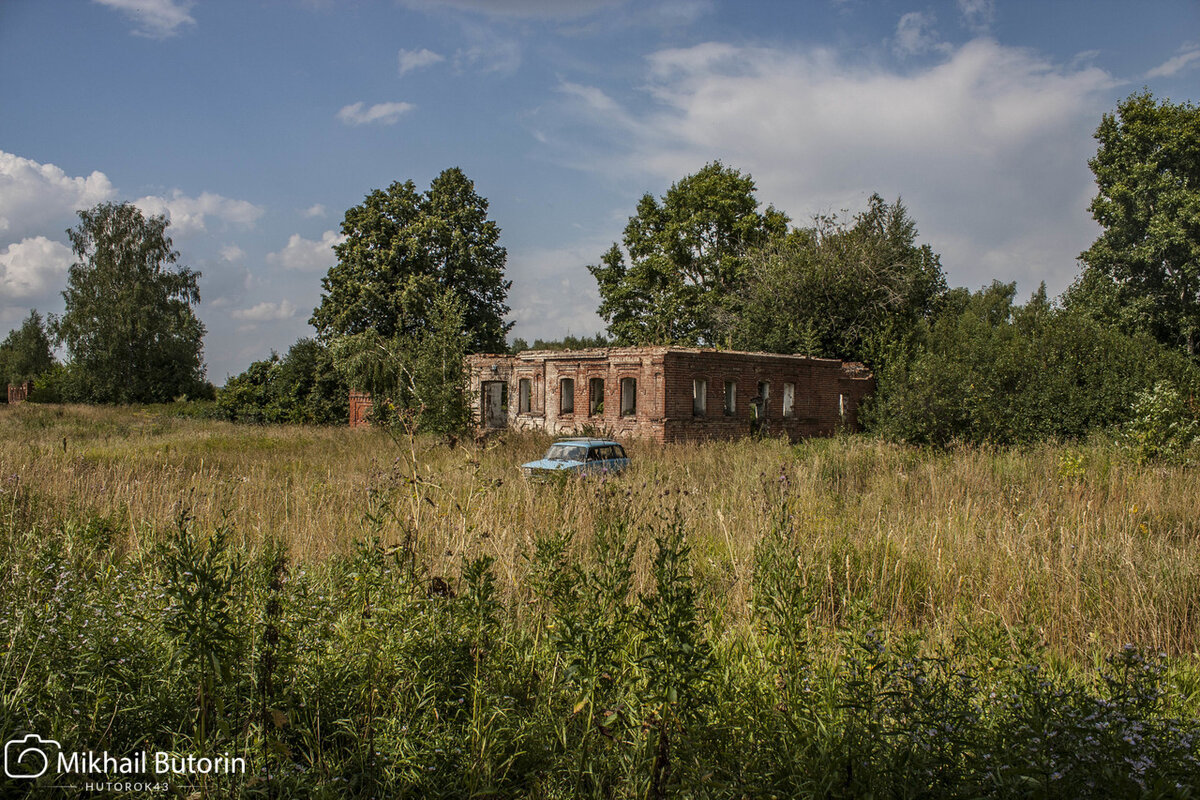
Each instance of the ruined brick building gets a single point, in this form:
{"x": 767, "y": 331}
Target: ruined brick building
{"x": 19, "y": 392}
{"x": 667, "y": 393}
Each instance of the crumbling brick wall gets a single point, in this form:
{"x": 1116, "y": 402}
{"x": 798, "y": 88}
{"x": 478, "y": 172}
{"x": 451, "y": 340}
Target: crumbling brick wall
{"x": 796, "y": 396}
{"x": 360, "y": 408}
{"x": 540, "y": 404}
{"x": 526, "y": 392}
{"x": 19, "y": 392}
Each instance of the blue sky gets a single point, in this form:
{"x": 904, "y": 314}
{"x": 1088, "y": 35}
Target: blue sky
{"x": 254, "y": 126}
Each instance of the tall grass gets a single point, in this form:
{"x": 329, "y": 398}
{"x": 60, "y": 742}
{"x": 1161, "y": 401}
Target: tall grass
{"x": 1078, "y": 543}
{"x": 360, "y": 675}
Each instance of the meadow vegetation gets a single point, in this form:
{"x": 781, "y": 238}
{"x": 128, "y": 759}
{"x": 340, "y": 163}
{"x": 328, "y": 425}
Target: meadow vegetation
{"x": 365, "y": 613}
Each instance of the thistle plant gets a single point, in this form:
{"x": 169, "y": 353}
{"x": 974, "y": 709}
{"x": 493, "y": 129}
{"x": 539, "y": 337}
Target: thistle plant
{"x": 199, "y": 580}
{"x": 676, "y": 658}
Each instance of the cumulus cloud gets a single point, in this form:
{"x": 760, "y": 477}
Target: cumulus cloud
{"x": 977, "y": 15}
{"x": 553, "y": 293}
{"x": 383, "y": 113}
{"x": 265, "y": 312}
{"x": 306, "y": 255}
{"x": 34, "y": 196}
{"x": 316, "y": 210}
{"x": 988, "y": 146}
{"x": 34, "y": 268}
{"x": 1174, "y": 66}
{"x": 232, "y": 252}
{"x": 190, "y": 214}
{"x": 417, "y": 59}
{"x": 915, "y": 35}
{"x": 155, "y": 19}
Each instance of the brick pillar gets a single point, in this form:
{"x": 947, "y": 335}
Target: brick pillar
{"x": 19, "y": 392}
{"x": 360, "y": 408}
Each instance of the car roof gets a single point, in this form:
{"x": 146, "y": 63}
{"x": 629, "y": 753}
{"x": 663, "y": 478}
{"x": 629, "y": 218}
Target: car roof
{"x": 586, "y": 441}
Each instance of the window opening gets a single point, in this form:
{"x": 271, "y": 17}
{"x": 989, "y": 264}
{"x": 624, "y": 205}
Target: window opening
{"x": 566, "y": 396}
{"x": 628, "y": 397}
{"x": 699, "y": 397}
{"x": 524, "y": 393}
{"x": 596, "y": 397}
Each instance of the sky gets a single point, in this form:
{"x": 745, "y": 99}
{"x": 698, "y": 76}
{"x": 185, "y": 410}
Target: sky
{"x": 253, "y": 126}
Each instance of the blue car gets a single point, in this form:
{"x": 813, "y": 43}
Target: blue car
{"x": 579, "y": 457}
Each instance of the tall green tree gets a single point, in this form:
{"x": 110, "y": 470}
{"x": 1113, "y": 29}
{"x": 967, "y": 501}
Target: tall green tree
{"x": 423, "y": 372}
{"x": 687, "y": 259}
{"x": 25, "y": 353}
{"x": 129, "y": 325}
{"x": 836, "y": 289}
{"x": 1147, "y": 170}
{"x": 402, "y": 249}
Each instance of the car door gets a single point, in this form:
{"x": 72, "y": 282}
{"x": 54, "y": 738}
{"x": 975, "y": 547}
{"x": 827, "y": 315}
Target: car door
{"x": 594, "y": 463}
{"x": 606, "y": 458}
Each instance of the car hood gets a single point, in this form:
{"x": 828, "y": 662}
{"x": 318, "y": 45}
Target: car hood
{"x": 547, "y": 464}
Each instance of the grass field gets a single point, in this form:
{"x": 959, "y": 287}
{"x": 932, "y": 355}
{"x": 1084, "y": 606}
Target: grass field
{"x": 1088, "y": 548}
{"x": 1051, "y": 557}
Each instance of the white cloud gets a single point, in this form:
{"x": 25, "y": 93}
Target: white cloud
{"x": 32, "y": 269}
{"x": 988, "y": 146}
{"x": 383, "y": 113}
{"x": 190, "y": 214}
{"x": 417, "y": 59}
{"x": 265, "y": 312}
{"x": 977, "y": 15}
{"x": 553, "y": 293}
{"x": 155, "y": 19}
{"x": 915, "y": 35}
{"x": 306, "y": 255}
{"x": 488, "y": 53}
{"x": 36, "y": 196}
{"x": 232, "y": 253}
{"x": 1173, "y": 66}
{"x": 316, "y": 210}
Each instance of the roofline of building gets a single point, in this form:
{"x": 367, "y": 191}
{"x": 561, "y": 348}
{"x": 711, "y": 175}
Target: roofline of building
{"x": 653, "y": 350}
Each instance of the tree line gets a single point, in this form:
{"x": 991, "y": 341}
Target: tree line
{"x": 419, "y": 282}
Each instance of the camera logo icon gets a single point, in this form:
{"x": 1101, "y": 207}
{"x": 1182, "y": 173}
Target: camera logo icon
{"x": 28, "y": 757}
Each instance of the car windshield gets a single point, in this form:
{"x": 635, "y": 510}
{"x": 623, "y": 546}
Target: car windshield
{"x": 566, "y": 452}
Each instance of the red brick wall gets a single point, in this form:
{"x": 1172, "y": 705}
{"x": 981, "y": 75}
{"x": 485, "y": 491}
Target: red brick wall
{"x": 360, "y": 408}
{"x": 827, "y": 393}
{"x": 19, "y": 392}
{"x": 546, "y": 370}
{"x": 820, "y": 395}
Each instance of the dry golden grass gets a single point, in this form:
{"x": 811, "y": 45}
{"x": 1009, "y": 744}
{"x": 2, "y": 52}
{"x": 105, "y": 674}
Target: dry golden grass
{"x": 1076, "y": 541}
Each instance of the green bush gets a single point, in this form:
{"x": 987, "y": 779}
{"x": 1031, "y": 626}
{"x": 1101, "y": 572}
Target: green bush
{"x": 57, "y": 385}
{"x": 302, "y": 387}
{"x": 1162, "y": 425}
{"x": 986, "y": 370}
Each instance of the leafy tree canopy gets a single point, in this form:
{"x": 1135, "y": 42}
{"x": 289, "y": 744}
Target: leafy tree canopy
{"x": 687, "y": 259}
{"x": 835, "y": 289}
{"x": 567, "y": 342}
{"x": 984, "y": 369}
{"x": 404, "y": 248}
{"x": 129, "y": 325}
{"x": 1147, "y": 170}
{"x": 422, "y": 375}
{"x": 303, "y": 386}
{"x": 25, "y": 352}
